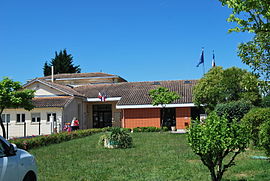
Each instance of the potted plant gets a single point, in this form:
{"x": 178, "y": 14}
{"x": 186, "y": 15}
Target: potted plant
{"x": 117, "y": 138}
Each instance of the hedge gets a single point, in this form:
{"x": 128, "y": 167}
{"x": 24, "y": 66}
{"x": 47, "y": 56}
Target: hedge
{"x": 150, "y": 129}
{"x": 233, "y": 110}
{"x": 39, "y": 141}
{"x": 253, "y": 119}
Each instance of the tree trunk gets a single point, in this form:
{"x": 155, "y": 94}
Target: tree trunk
{"x": 213, "y": 175}
{"x": 2, "y": 125}
{"x": 163, "y": 117}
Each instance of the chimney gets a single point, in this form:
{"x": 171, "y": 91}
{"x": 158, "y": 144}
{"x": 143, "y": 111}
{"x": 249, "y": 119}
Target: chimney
{"x": 52, "y": 73}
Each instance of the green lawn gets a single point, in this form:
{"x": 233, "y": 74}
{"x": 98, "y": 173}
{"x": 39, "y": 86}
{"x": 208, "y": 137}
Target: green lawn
{"x": 155, "y": 156}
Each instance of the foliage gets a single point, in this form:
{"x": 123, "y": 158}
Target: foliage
{"x": 118, "y": 138}
{"x": 216, "y": 138}
{"x": 233, "y": 110}
{"x": 62, "y": 63}
{"x": 150, "y": 129}
{"x": 264, "y": 136}
{"x": 222, "y": 86}
{"x": 39, "y": 141}
{"x": 253, "y": 16}
{"x": 12, "y": 95}
{"x": 254, "y": 118}
{"x": 266, "y": 101}
{"x": 162, "y": 96}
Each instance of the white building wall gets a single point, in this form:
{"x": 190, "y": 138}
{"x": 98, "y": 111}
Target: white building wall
{"x": 16, "y": 129}
{"x": 43, "y": 90}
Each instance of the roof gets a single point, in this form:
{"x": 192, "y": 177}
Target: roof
{"x": 82, "y": 75}
{"x": 65, "y": 89}
{"x": 137, "y": 93}
{"x": 60, "y": 101}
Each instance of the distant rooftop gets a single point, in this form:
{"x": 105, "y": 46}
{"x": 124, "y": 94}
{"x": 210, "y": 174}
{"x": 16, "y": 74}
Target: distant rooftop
{"x": 81, "y": 76}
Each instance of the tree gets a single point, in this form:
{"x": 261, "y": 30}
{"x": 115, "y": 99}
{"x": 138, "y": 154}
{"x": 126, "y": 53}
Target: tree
{"x": 233, "y": 110}
{"x": 264, "y": 136}
{"x": 266, "y": 101}
{"x": 222, "y": 86}
{"x": 62, "y": 63}
{"x": 162, "y": 96}
{"x": 253, "y": 16}
{"x": 13, "y": 96}
{"x": 254, "y": 119}
{"x": 215, "y": 139}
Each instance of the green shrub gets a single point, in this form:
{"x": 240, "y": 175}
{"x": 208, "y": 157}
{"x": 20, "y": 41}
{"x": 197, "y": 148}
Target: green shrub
{"x": 150, "y": 129}
{"x": 266, "y": 101}
{"x": 233, "y": 110}
{"x": 253, "y": 119}
{"x": 117, "y": 138}
{"x": 216, "y": 138}
{"x": 138, "y": 129}
{"x": 34, "y": 142}
{"x": 264, "y": 136}
{"x": 126, "y": 129}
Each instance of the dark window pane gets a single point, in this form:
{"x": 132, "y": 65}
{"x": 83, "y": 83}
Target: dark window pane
{"x": 8, "y": 118}
{"x": 18, "y": 118}
{"x": 38, "y": 119}
{"x": 23, "y": 117}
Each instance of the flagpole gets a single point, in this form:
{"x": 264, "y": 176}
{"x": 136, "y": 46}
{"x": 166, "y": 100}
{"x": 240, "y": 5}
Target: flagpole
{"x": 203, "y": 69}
{"x": 203, "y": 61}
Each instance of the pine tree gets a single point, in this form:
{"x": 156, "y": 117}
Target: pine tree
{"x": 62, "y": 62}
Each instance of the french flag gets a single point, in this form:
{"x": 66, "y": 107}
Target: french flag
{"x": 102, "y": 97}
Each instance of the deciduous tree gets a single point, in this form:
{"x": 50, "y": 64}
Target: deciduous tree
{"x": 215, "y": 139}
{"x": 13, "y": 96}
{"x": 162, "y": 96}
{"x": 253, "y": 16}
{"x": 222, "y": 86}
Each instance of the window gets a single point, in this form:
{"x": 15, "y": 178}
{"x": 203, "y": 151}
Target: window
{"x": 6, "y": 118}
{"x": 35, "y": 117}
{"x": 20, "y": 118}
{"x": 51, "y": 114}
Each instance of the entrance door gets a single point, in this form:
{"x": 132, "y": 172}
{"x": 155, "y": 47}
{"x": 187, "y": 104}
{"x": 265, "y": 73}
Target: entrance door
{"x": 169, "y": 117}
{"x": 102, "y": 115}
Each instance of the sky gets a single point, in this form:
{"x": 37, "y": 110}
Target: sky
{"x": 139, "y": 40}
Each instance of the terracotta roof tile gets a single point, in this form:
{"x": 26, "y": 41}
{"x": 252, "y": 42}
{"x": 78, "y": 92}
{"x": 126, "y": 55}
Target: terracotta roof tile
{"x": 60, "y": 101}
{"x": 137, "y": 93}
{"x": 77, "y": 75}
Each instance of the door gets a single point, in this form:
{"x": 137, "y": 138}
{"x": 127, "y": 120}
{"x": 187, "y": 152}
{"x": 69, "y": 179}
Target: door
{"x": 169, "y": 117}
{"x": 102, "y": 115}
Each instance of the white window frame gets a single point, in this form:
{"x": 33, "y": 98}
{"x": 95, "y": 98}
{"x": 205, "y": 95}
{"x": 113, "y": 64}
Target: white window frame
{"x": 5, "y": 118}
{"x": 36, "y": 116}
{"x": 20, "y": 118}
{"x": 51, "y": 114}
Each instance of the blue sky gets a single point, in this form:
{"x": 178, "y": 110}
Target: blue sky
{"x": 140, "y": 40}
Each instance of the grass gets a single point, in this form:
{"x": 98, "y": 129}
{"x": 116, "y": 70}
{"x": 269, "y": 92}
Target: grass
{"x": 155, "y": 156}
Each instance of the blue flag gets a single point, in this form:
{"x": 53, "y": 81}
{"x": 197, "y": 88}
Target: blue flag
{"x": 201, "y": 59}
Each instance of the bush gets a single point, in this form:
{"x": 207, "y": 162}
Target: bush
{"x": 233, "y": 110}
{"x": 216, "y": 138}
{"x": 34, "y": 142}
{"x": 253, "y": 119}
{"x": 117, "y": 138}
{"x": 266, "y": 101}
{"x": 264, "y": 136}
{"x": 150, "y": 129}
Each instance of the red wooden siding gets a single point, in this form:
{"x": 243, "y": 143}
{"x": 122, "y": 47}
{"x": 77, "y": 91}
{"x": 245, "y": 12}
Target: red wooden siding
{"x": 133, "y": 118}
{"x": 183, "y": 117}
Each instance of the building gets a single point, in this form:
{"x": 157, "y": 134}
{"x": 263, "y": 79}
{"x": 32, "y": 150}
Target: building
{"x": 127, "y": 104}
